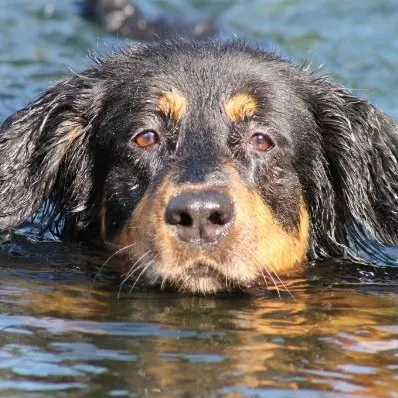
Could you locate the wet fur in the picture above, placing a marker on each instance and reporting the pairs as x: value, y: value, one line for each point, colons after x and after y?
x: 55, y: 152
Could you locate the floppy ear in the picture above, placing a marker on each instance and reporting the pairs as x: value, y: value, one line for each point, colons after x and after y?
x: 357, y: 201
x: 44, y: 151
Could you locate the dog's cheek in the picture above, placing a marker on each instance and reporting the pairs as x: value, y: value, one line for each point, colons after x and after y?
x: 137, y: 234
x: 265, y: 243
x: 130, y: 239
x: 117, y: 215
x: 279, y: 187
x: 281, y: 251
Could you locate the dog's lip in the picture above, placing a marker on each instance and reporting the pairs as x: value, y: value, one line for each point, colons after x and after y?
x: 202, y: 270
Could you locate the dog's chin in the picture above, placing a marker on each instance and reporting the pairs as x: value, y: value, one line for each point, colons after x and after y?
x: 202, y: 279
x: 198, y: 278
x: 200, y: 285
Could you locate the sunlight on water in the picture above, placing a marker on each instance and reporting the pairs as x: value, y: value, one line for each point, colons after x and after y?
x: 64, y: 335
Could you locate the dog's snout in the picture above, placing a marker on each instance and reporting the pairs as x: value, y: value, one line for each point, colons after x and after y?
x: 200, y: 217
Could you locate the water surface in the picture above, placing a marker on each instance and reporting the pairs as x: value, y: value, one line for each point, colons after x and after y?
x: 67, y: 331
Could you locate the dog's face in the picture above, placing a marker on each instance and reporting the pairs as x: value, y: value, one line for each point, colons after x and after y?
x: 204, y: 166
x: 201, y: 188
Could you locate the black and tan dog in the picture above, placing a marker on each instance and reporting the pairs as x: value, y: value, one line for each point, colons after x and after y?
x: 209, y: 166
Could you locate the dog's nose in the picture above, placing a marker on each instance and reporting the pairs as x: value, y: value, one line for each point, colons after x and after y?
x: 200, y: 217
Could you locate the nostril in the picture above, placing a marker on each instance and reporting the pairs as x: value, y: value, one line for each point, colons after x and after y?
x: 185, y: 220
x: 217, y: 218
x: 179, y: 218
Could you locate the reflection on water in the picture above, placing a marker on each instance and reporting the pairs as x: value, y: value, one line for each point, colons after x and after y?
x: 60, y: 332
x: 63, y: 335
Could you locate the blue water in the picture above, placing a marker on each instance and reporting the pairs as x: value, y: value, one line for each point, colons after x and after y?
x: 63, y: 335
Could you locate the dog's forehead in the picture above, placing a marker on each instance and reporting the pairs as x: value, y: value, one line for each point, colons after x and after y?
x: 205, y: 82
x: 208, y: 86
x: 204, y: 71
x: 209, y: 77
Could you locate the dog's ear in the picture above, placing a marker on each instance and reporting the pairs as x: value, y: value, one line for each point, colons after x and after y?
x: 356, y: 180
x: 43, y: 150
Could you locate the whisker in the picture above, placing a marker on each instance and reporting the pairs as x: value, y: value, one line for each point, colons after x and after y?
x: 164, y: 280
x: 154, y: 280
x: 272, y: 279
x: 134, y: 267
x: 131, y: 271
x: 282, y: 283
x: 265, y: 279
x: 271, y: 271
x: 107, y: 261
x: 141, y: 273
x: 128, y: 276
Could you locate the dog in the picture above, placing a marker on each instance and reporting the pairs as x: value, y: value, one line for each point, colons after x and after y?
x: 206, y: 167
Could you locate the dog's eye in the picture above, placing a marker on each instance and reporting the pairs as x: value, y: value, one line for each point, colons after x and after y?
x: 261, y: 142
x: 146, y: 139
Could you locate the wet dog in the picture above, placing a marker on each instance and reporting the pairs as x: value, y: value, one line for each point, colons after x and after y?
x: 208, y: 166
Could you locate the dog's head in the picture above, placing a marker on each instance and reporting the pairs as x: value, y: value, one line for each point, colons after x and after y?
x: 207, y: 166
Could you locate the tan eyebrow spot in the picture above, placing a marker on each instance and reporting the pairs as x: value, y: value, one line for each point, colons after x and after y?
x: 240, y: 106
x: 173, y: 104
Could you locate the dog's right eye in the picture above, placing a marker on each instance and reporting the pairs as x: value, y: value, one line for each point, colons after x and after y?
x: 146, y: 139
x: 261, y: 142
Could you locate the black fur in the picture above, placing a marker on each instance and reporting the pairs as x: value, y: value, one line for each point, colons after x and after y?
x: 334, y: 149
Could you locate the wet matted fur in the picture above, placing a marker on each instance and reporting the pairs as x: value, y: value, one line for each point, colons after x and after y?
x: 208, y: 166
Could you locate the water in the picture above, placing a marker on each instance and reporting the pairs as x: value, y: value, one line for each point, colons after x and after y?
x: 61, y: 334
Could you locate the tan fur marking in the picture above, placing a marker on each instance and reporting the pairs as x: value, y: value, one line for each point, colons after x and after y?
x: 279, y: 249
x: 172, y: 104
x: 240, y: 106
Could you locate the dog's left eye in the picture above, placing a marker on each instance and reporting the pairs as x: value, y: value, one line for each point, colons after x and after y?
x: 146, y: 139
x: 261, y: 142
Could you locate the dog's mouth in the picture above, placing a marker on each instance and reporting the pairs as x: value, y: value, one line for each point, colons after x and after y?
x: 201, y: 278
x: 202, y: 270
